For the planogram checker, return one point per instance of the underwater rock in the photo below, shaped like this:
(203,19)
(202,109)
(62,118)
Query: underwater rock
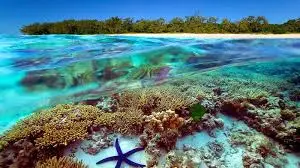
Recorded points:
(260,101)
(259,149)
(217,148)
(287,114)
(217,91)
(108,104)
(157,72)
(168,139)
(233,108)
(182,112)
(295,79)
(97,141)
(294,95)
(190,157)
(41,78)
(162,74)
(73,75)
(252,160)
(281,104)
(210,122)
(20,154)
(110,74)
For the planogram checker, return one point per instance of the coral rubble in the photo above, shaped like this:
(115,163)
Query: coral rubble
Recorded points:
(97,141)
(259,149)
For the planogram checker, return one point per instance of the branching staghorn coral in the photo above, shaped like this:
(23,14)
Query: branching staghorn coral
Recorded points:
(3,143)
(56,126)
(63,162)
(50,130)
(64,124)
(128,122)
(156,98)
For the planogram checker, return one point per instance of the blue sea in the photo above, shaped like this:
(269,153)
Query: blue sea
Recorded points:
(39,72)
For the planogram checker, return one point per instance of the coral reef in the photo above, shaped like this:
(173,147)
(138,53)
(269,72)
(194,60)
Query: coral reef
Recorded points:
(156,98)
(62,162)
(259,149)
(76,74)
(128,122)
(107,104)
(56,126)
(97,141)
(208,123)
(288,114)
(159,72)
(71,123)
(50,130)
(268,117)
(161,121)
(193,158)
(187,159)
(161,114)
(19,154)
(294,94)
(161,132)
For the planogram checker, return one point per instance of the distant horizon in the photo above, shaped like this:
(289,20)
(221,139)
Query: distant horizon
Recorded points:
(15,14)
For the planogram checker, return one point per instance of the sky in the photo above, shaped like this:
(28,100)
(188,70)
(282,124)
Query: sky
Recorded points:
(16,13)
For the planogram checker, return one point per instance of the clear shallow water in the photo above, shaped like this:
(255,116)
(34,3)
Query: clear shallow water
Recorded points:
(38,71)
(41,71)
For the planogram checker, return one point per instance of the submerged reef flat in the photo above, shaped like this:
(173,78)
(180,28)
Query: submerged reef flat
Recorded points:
(161,117)
(215,104)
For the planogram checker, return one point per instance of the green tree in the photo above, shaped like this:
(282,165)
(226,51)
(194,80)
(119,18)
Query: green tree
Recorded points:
(114,25)
(176,25)
(190,24)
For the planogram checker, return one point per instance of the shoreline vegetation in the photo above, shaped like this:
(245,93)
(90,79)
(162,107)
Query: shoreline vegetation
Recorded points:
(217,36)
(190,24)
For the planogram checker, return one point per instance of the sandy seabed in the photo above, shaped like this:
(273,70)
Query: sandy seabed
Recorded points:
(233,36)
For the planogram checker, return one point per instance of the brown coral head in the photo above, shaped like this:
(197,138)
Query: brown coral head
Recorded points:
(264,151)
(233,108)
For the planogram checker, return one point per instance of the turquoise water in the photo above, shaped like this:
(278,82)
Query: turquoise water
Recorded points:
(39,71)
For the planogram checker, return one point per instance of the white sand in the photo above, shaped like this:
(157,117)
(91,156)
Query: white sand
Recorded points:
(230,36)
(126,144)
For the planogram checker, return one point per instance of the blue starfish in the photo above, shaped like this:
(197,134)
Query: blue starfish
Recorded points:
(122,157)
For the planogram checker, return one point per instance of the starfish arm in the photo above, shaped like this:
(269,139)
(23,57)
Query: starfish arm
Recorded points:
(131,163)
(119,163)
(118,148)
(108,159)
(133,151)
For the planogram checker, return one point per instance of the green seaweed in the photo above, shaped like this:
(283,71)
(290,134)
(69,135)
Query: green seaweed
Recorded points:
(197,111)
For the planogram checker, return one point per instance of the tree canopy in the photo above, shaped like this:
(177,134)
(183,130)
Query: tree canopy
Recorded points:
(190,24)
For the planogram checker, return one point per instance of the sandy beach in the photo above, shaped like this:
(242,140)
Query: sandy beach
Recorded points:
(232,36)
